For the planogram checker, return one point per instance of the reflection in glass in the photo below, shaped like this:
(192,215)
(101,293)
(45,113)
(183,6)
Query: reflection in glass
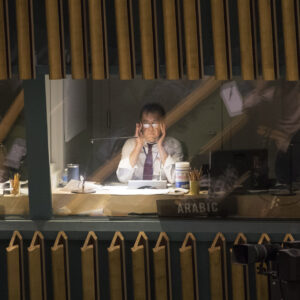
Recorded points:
(13,165)
(241,136)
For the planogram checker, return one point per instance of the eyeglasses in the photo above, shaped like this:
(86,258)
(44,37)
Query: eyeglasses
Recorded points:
(147,125)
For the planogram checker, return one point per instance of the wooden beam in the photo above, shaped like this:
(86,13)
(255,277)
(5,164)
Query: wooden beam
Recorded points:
(288,238)
(36,268)
(218,269)
(268,39)
(98,39)
(162,268)
(25,37)
(15,268)
(60,268)
(247,34)
(90,269)
(234,126)
(290,18)
(193,39)
(5,62)
(221,39)
(172,39)
(55,34)
(141,267)
(125,39)
(117,268)
(239,274)
(78,38)
(11,115)
(188,268)
(148,31)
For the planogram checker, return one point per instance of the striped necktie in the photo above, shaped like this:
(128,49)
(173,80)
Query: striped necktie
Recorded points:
(148,166)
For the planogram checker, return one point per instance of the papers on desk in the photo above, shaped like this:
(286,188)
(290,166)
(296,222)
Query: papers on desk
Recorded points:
(5,188)
(124,190)
(119,189)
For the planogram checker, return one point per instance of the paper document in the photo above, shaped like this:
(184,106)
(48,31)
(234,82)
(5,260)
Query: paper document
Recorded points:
(232,98)
(120,189)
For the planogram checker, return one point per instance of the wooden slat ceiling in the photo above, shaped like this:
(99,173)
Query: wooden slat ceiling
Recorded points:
(157,39)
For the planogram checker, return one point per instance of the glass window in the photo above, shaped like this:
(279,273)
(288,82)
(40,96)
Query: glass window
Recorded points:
(238,139)
(13,162)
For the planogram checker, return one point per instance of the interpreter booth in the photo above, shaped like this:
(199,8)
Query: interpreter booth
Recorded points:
(149,149)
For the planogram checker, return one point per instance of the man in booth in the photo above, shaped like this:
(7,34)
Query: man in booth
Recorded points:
(151,154)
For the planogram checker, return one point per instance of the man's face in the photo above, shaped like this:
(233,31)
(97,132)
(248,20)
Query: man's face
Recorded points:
(151,127)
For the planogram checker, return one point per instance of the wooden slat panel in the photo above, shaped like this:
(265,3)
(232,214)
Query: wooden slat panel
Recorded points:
(5,63)
(13,274)
(88,276)
(36,267)
(78,38)
(172,38)
(117,268)
(162,268)
(239,275)
(25,36)
(187,274)
(216,284)
(193,39)
(247,34)
(262,287)
(89,266)
(98,39)
(15,268)
(115,274)
(221,39)
(55,33)
(268,39)
(148,30)
(218,269)
(60,268)
(290,18)
(238,286)
(140,268)
(160,273)
(297,8)
(288,238)
(188,266)
(125,39)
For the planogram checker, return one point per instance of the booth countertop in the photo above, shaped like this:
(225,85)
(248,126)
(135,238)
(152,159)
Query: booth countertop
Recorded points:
(247,206)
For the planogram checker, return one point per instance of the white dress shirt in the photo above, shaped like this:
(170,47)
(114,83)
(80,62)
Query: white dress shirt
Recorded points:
(126,172)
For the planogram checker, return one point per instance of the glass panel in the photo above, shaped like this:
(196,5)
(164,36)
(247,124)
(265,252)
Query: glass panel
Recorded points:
(13,163)
(239,140)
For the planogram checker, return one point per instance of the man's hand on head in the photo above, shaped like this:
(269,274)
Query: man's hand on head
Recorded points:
(139,143)
(139,134)
(162,151)
(163,133)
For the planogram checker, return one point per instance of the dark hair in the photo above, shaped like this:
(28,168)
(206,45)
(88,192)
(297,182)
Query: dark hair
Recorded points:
(152,108)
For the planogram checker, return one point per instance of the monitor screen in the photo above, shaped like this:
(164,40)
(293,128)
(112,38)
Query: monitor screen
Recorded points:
(237,163)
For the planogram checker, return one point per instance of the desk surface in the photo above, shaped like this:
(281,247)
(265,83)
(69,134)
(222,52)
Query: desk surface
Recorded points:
(247,206)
